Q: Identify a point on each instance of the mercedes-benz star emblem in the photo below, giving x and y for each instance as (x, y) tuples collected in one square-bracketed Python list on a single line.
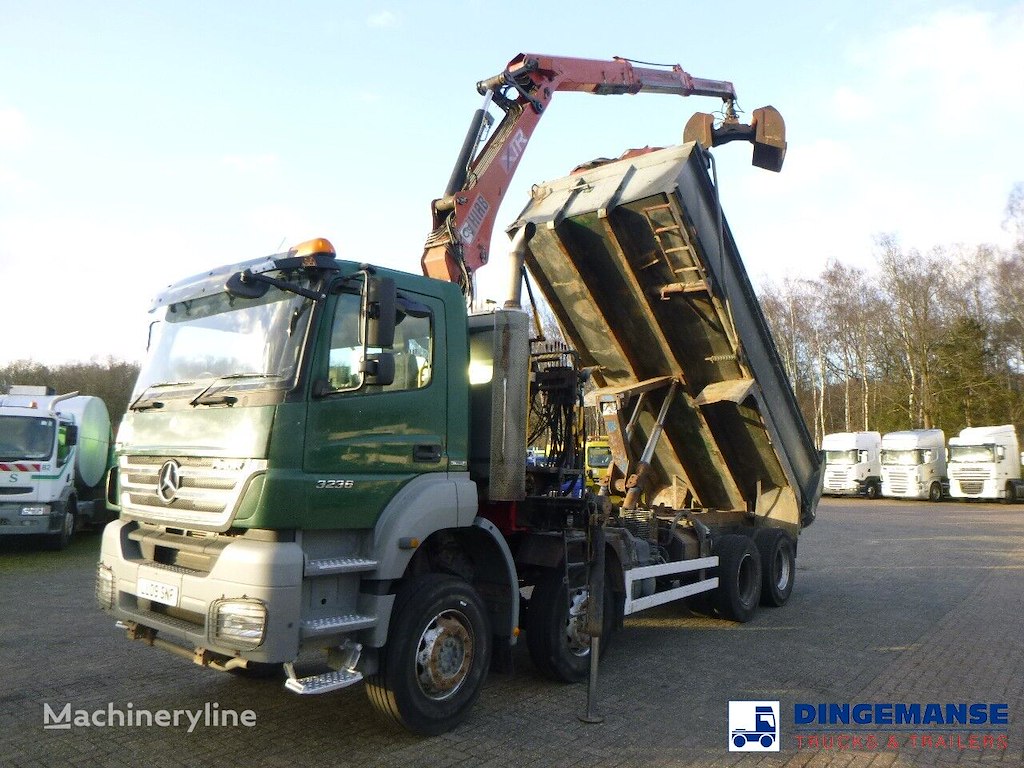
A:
[(169, 481)]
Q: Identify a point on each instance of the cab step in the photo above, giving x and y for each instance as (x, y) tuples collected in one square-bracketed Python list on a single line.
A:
[(332, 565), (333, 625), (322, 683)]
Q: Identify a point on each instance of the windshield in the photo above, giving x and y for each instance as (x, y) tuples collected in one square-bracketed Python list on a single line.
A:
[(908, 458), (26, 437), (971, 453), (599, 456), (841, 457), (212, 337)]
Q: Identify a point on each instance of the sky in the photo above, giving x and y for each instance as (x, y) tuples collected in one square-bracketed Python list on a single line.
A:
[(141, 143)]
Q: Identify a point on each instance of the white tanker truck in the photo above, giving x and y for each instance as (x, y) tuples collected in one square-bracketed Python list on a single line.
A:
[(54, 456)]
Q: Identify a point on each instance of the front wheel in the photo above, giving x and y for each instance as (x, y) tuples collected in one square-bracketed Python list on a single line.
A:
[(60, 540), (436, 660), (874, 490), (935, 491)]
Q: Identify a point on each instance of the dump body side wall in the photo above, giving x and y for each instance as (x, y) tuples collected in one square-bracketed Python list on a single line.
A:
[(646, 282)]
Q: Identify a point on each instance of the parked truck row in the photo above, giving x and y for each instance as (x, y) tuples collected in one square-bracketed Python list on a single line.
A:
[(979, 463)]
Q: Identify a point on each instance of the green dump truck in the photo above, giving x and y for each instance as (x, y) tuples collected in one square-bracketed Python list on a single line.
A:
[(323, 468)]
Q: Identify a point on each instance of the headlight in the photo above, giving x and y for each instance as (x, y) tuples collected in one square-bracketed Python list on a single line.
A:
[(104, 587), (35, 510), (239, 624)]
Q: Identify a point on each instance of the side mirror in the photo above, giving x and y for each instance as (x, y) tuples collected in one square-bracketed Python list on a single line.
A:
[(70, 435), (379, 368), (1000, 452), (244, 286), (381, 303)]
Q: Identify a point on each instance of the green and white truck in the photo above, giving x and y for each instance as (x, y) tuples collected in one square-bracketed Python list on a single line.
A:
[(54, 455)]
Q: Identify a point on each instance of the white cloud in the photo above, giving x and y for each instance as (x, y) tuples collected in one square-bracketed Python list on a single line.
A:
[(848, 104), (251, 163), (959, 71), (14, 130), (383, 20)]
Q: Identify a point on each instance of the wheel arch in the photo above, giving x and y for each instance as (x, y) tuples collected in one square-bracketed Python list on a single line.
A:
[(488, 567)]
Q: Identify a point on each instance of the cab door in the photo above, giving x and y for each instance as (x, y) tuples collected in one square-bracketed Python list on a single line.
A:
[(364, 440)]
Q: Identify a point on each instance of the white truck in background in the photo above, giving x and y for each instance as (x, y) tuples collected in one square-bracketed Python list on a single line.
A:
[(54, 456), (984, 463), (914, 464), (853, 464)]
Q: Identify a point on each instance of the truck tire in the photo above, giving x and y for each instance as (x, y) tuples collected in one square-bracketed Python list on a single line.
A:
[(434, 665), (935, 492), (555, 636), (874, 490), (778, 566), (59, 541), (739, 578)]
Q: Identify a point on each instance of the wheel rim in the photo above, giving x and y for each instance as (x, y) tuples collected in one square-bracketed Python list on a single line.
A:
[(444, 655), (782, 570), (577, 639)]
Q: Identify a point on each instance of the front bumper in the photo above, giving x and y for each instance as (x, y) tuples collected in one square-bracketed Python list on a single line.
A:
[(180, 603), (13, 523)]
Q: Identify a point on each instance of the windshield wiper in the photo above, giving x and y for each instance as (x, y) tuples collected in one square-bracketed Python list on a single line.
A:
[(219, 398), (146, 401)]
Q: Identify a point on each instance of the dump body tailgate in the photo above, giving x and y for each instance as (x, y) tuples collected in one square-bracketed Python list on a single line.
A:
[(630, 257)]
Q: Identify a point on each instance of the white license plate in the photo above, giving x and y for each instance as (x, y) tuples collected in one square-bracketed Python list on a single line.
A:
[(158, 592)]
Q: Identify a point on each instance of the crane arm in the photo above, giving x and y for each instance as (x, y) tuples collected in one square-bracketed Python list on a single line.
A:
[(463, 218)]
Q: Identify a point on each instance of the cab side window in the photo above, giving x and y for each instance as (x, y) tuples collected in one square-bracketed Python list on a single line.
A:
[(63, 449), (413, 352), (346, 346), (413, 348)]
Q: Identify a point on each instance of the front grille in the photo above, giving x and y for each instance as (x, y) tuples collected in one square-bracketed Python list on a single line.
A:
[(836, 479), (15, 490), (971, 479), (899, 482), (206, 498)]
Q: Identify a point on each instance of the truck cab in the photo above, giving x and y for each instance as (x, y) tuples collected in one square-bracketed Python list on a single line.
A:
[(984, 463), (914, 464), (853, 464)]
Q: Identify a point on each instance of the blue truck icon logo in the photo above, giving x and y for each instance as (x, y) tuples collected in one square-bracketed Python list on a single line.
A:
[(764, 734)]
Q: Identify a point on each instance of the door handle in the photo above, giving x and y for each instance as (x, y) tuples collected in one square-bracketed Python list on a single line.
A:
[(427, 453)]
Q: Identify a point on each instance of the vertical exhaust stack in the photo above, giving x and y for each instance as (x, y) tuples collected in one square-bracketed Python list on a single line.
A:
[(517, 261)]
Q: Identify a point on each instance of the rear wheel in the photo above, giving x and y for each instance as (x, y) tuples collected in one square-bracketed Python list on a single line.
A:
[(556, 633), (739, 578), (435, 663), (778, 566)]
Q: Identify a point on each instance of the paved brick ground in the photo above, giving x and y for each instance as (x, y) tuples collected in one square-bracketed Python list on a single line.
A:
[(905, 602)]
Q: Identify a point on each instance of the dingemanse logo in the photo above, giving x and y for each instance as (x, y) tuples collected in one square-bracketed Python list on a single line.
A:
[(753, 726)]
